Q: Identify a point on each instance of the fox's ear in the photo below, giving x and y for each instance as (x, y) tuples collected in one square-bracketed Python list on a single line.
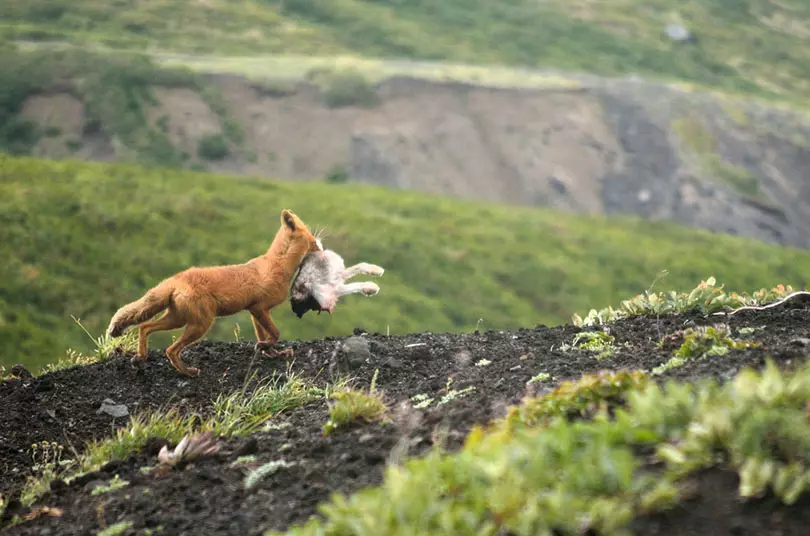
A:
[(288, 219)]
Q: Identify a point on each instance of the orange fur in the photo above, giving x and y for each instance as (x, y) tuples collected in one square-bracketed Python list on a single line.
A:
[(197, 296)]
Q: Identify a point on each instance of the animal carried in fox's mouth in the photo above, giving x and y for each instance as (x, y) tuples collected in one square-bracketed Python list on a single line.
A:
[(321, 281)]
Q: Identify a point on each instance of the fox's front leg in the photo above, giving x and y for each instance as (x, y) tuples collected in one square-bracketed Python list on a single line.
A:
[(362, 268), (267, 333), (261, 333)]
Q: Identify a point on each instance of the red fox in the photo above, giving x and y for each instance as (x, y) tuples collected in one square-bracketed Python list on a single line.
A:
[(197, 296)]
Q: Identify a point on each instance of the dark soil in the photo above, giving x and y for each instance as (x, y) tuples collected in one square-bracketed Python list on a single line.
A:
[(208, 497)]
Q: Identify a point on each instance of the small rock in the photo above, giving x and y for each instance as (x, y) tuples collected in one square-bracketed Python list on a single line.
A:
[(644, 195), (801, 341), (393, 363), (355, 351), (111, 408), (678, 32), (463, 358)]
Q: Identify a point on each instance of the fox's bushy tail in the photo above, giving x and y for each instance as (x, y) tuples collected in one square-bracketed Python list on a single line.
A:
[(153, 302)]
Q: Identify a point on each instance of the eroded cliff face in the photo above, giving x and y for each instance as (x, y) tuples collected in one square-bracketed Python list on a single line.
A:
[(608, 147)]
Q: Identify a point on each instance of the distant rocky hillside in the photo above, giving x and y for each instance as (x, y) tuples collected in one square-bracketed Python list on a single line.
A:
[(603, 147)]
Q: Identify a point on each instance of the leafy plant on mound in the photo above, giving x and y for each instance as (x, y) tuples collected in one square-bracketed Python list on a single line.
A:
[(706, 298), (599, 343), (701, 341), (572, 476)]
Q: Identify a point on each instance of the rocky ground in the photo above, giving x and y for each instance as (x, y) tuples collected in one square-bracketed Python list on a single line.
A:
[(208, 497)]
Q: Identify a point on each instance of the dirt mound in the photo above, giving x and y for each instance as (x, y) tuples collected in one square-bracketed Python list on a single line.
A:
[(209, 496)]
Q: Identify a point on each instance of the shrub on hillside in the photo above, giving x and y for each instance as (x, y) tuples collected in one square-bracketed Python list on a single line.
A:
[(348, 87), (212, 147)]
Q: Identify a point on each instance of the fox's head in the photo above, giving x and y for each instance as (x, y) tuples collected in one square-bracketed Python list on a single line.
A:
[(299, 238)]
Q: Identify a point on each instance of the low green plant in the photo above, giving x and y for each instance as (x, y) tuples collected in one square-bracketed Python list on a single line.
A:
[(47, 465), (451, 393), (116, 529), (586, 396), (600, 343), (700, 342), (115, 483), (539, 377), (354, 405), (256, 475), (758, 423)]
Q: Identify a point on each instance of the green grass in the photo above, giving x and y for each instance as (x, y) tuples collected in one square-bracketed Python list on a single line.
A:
[(590, 457), (742, 45), (82, 239)]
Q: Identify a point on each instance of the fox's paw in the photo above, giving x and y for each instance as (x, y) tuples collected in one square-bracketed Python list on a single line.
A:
[(370, 289), (191, 372), (375, 270), (287, 352), (138, 361), (261, 346)]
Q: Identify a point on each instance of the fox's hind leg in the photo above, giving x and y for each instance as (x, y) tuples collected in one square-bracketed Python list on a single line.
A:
[(169, 320), (362, 268), (194, 331)]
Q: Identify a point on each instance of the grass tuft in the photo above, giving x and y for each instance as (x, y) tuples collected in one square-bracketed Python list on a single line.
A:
[(356, 406), (242, 413), (103, 347)]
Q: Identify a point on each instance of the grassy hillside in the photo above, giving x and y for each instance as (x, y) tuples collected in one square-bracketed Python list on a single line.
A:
[(742, 45), (82, 239)]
